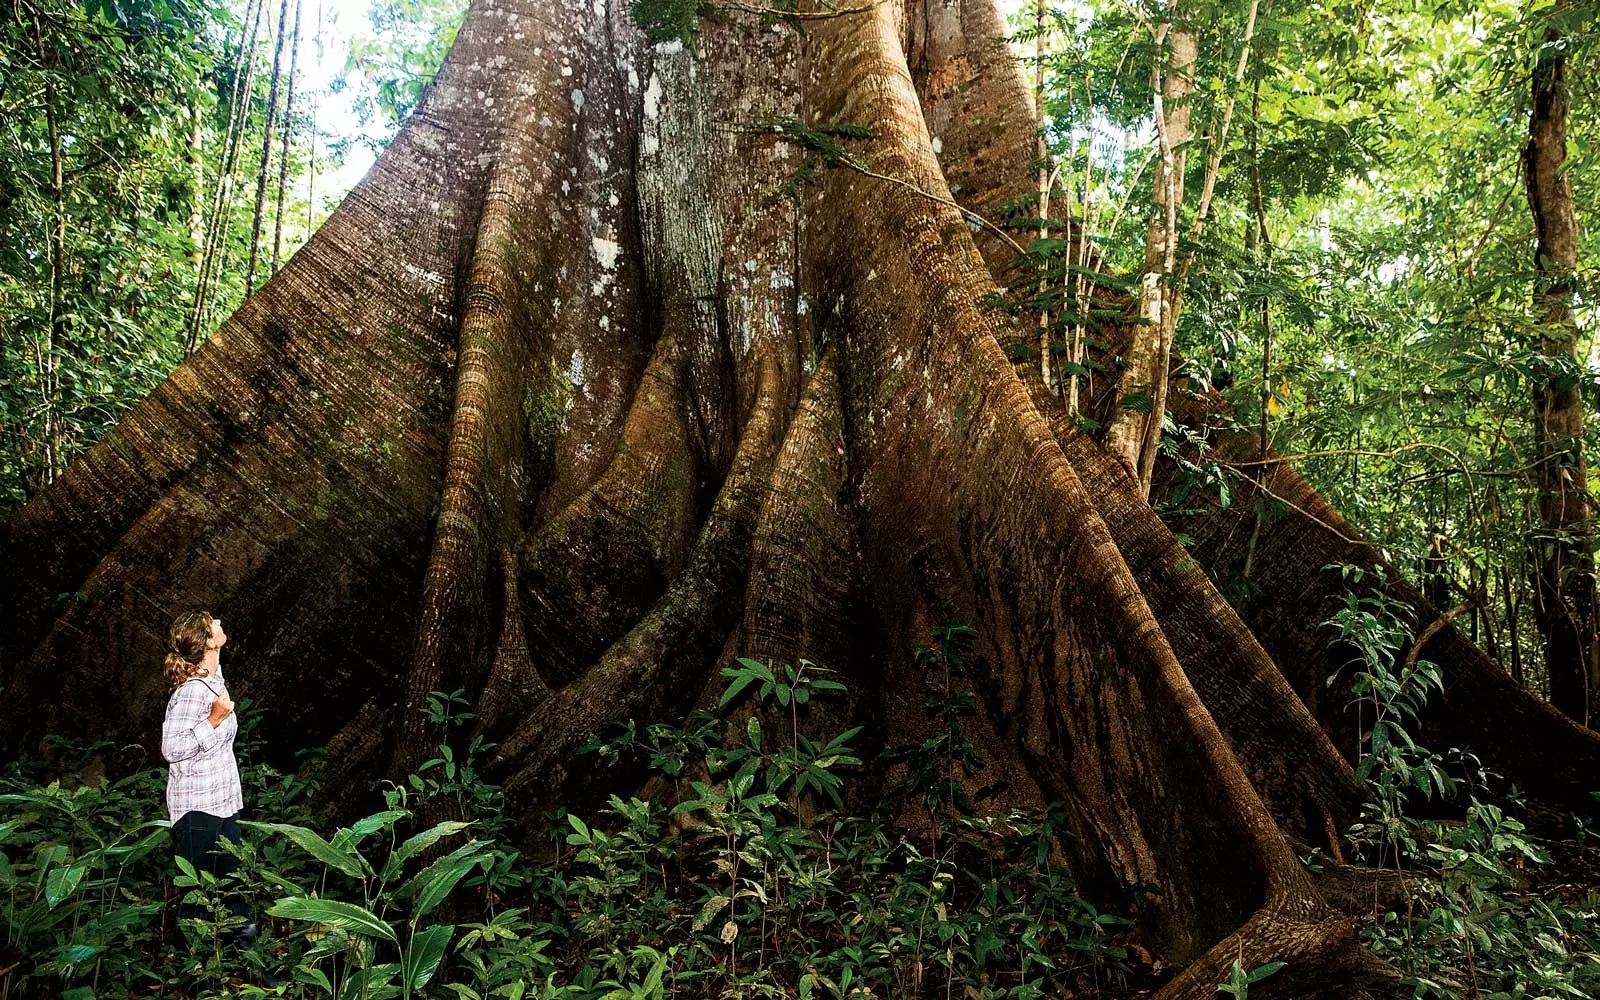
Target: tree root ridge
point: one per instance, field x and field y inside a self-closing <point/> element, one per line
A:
<point x="1321" y="957"/>
<point x="485" y="445"/>
<point x="1482" y="709"/>
<point x="1102" y="674"/>
<point x="663" y="661"/>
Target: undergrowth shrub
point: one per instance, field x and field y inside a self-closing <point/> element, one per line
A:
<point x="1478" y="923"/>
<point x="751" y="879"/>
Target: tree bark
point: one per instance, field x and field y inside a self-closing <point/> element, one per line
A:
<point x="1564" y="587"/>
<point x="586" y="388"/>
<point x="1135" y="428"/>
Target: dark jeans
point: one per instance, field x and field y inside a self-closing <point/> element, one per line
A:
<point x="196" y="835"/>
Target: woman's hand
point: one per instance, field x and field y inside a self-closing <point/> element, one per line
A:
<point x="220" y="709"/>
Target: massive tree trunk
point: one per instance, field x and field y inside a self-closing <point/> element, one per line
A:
<point x="586" y="388"/>
<point x="1564" y="586"/>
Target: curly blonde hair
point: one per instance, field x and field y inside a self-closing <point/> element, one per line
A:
<point x="186" y="646"/>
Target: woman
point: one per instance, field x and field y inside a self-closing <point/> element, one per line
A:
<point x="203" y="792"/>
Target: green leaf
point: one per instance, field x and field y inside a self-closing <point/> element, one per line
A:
<point x="1139" y="402"/>
<point x="370" y="984"/>
<point x="62" y="883"/>
<point x="72" y="954"/>
<point x="420" y="842"/>
<point x="1262" y="972"/>
<point x="708" y="912"/>
<point x="436" y="888"/>
<point x="137" y="849"/>
<point x="313" y="976"/>
<point x="344" y="916"/>
<point x="423" y="957"/>
<point x="748" y="672"/>
<point x="349" y="862"/>
<point x="368" y="825"/>
<point x="583" y="836"/>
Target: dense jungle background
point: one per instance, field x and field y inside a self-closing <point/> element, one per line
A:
<point x="634" y="595"/>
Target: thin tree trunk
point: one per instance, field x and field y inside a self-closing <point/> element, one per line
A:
<point x="1042" y="154"/>
<point x="1138" y="418"/>
<point x="1564" y="578"/>
<point x="240" y="99"/>
<point x="197" y="179"/>
<point x="288" y="137"/>
<point x="49" y="366"/>
<point x="1263" y="247"/>
<point x="1219" y="136"/>
<point x="1185" y="55"/>
<point x="266" y="148"/>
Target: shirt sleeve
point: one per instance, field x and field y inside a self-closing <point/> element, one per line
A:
<point x="187" y="730"/>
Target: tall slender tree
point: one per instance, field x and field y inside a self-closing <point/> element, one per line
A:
<point x="288" y="139"/>
<point x="1137" y="420"/>
<point x="264" y="169"/>
<point x="241" y="99"/>
<point x="1564" y="590"/>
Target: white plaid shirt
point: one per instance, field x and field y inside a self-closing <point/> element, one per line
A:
<point x="203" y="777"/>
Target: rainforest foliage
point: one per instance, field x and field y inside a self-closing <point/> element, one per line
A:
<point x="141" y="175"/>
<point x="1364" y="285"/>
<point x="743" y="871"/>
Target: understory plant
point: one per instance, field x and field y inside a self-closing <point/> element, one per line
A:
<point x="1476" y="923"/>
<point x="747" y="870"/>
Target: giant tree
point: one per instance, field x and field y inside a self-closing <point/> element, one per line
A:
<point x="631" y="355"/>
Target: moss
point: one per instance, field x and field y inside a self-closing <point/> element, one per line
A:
<point x="545" y="405"/>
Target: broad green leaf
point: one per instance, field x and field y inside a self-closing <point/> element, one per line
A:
<point x="418" y="843"/>
<point x="344" y="916"/>
<point x="347" y="861"/>
<point x="62" y="883"/>
<point x="368" y="825"/>
<point x="424" y="955"/>
<point x="582" y="836"/>
<point x="414" y="885"/>
<point x="312" y="976"/>
<point x="142" y="846"/>
<point x="709" y="911"/>
<point x="435" y="889"/>
<point x="371" y="984"/>
<point x="72" y="954"/>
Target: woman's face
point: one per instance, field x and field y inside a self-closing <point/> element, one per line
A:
<point x="218" y="638"/>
